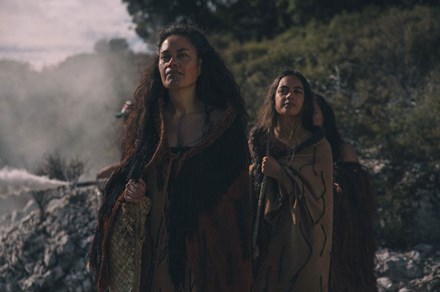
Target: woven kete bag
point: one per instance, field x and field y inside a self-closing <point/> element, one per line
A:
<point x="125" y="246"/>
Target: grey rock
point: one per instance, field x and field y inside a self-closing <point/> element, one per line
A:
<point x="413" y="270"/>
<point x="426" y="248"/>
<point x="49" y="258"/>
<point x="47" y="249"/>
<point x="386" y="284"/>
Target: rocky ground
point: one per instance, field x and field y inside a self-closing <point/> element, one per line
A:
<point x="47" y="249"/>
<point x="45" y="246"/>
<point x="414" y="270"/>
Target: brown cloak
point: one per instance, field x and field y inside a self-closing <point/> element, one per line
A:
<point x="354" y="248"/>
<point x="199" y="225"/>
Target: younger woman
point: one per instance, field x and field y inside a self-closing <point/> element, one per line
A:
<point x="293" y="176"/>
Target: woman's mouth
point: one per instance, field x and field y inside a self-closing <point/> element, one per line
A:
<point x="171" y="72"/>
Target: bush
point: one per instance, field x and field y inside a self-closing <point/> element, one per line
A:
<point x="56" y="167"/>
<point x="379" y="69"/>
<point x="409" y="201"/>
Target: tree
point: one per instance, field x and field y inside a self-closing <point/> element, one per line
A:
<point x="245" y="19"/>
<point x="111" y="46"/>
<point x="149" y="15"/>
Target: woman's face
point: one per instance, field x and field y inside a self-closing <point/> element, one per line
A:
<point x="289" y="96"/>
<point x="179" y="64"/>
<point x="318" y="118"/>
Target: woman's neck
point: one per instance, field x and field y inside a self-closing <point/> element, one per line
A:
<point x="290" y="131"/>
<point x="183" y="102"/>
<point x="184" y="119"/>
<point x="286" y="126"/>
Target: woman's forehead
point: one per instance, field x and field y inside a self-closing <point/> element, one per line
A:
<point x="290" y="81"/>
<point x="176" y="43"/>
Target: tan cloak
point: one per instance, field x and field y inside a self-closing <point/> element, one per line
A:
<point x="295" y="256"/>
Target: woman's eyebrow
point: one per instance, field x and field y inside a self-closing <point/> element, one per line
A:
<point x="178" y="50"/>
<point x="295" y="87"/>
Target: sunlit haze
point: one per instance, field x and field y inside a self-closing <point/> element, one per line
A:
<point x="45" y="32"/>
<point x="66" y="104"/>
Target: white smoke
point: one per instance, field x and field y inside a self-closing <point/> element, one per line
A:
<point x="69" y="110"/>
<point x="17" y="181"/>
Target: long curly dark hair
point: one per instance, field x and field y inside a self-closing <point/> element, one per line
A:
<point x="215" y="86"/>
<point x="331" y="131"/>
<point x="267" y="116"/>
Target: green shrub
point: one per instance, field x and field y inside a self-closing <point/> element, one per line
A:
<point x="54" y="166"/>
<point x="379" y="69"/>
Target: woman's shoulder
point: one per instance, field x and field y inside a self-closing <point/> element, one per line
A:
<point x="257" y="130"/>
<point x="257" y="140"/>
<point x="311" y="138"/>
<point x="348" y="153"/>
<point x="258" y="135"/>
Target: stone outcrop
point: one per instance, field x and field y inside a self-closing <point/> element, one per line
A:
<point x="45" y="247"/>
<point x="414" y="270"/>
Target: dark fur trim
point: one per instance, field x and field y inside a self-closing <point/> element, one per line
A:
<point x="199" y="185"/>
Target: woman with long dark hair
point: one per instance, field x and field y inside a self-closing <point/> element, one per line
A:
<point x="354" y="248"/>
<point x="293" y="179"/>
<point x="186" y="161"/>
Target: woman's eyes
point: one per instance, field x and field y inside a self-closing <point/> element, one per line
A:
<point x="283" y="90"/>
<point x="286" y="91"/>
<point x="180" y="56"/>
<point x="165" y="58"/>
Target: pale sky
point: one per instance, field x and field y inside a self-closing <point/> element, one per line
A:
<point x="45" y="32"/>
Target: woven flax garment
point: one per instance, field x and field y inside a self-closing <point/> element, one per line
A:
<point x="125" y="246"/>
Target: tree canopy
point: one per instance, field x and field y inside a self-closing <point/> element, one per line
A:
<point x="245" y="19"/>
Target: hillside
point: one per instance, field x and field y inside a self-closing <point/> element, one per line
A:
<point x="379" y="69"/>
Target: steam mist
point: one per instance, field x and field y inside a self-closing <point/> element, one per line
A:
<point x="17" y="181"/>
<point x="69" y="109"/>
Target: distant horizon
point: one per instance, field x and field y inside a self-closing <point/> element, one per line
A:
<point x="45" y="33"/>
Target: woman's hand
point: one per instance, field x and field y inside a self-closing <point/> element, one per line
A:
<point x="135" y="191"/>
<point x="271" y="167"/>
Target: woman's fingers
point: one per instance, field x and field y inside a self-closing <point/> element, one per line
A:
<point x="266" y="165"/>
<point x="270" y="167"/>
<point x="135" y="191"/>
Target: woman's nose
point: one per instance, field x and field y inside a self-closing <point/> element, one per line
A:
<point x="173" y="62"/>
